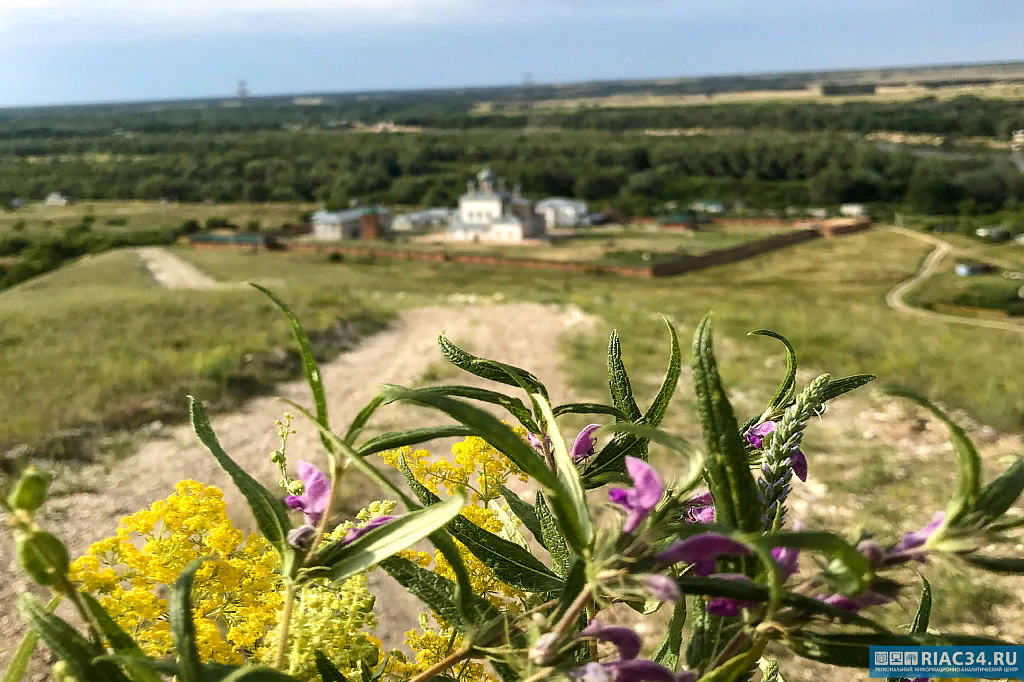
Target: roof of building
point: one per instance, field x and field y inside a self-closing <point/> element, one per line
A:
<point x="345" y="216"/>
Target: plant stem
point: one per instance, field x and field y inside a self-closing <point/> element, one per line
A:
<point x="572" y="613"/>
<point x="442" y="665"/>
<point x="71" y="592"/>
<point x="730" y="650"/>
<point x="282" y="627"/>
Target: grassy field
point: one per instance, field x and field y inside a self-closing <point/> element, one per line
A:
<point x="36" y="220"/>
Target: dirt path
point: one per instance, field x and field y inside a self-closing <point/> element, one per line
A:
<point x="171" y="272"/>
<point x="527" y="334"/>
<point x="942" y="248"/>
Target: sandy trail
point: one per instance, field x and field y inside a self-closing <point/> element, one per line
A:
<point x="526" y="334"/>
<point x="173" y="273"/>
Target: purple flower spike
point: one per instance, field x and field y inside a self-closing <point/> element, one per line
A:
<point x="701" y="509"/>
<point x="642" y="497"/>
<point x="855" y="604"/>
<point x="702" y="551"/>
<point x="755" y="436"/>
<point x="727" y="607"/>
<point x="583" y="446"/>
<point x="356" y="533"/>
<point x="313" y="502"/>
<point x="663" y="588"/>
<point x="625" y="640"/>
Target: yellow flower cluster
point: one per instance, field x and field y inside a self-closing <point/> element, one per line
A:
<point x="238" y="590"/>
<point x="480" y="468"/>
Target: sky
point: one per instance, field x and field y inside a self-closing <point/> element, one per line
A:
<point x="67" y="51"/>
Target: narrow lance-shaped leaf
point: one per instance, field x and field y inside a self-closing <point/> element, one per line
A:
<point x="588" y="408"/>
<point x="183" y="629"/>
<point x="309" y="366"/>
<point x="356" y="427"/>
<point x="380" y="543"/>
<point x="855" y="573"/>
<point x="695" y="465"/>
<point x="121" y="642"/>
<point x="656" y="412"/>
<point x="399" y="439"/>
<point x="437" y="592"/>
<point x="852" y="650"/>
<point x="669" y="647"/>
<point x="618" y="380"/>
<point x="328" y="672"/>
<point x="554" y="541"/>
<point x="838" y="387"/>
<point x="997" y="564"/>
<point x="270" y="513"/>
<point x="525" y="512"/>
<point x="19" y="662"/>
<point x="575" y="583"/>
<point x="700" y="647"/>
<point x="969" y="483"/>
<point x="999" y="495"/>
<point x="787" y="389"/>
<point x="514" y="406"/>
<point x="490" y="369"/>
<point x="569" y="477"/>
<point x="736" y="500"/>
<point x="258" y="673"/>
<point x="924" y="610"/>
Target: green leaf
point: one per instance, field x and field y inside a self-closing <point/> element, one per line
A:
<point x="618" y="381"/>
<point x="787" y="389"/>
<point x="258" y="673"/>
<point x="701" y="646"/>
<point x="212" y="672"/>
<point x="66" y="643"/>
<point x="399" y="439"/>
<point x="656" y="412"/>
<point x="19" y="662"/>
<point x="609" y="464"/>
<point x="728" y="471"/>
<point x="554" y="541"/>
<point x="588" y="408"/>
<point x="999" y="495"/>
<point x="852" y="650"/>
<point x="391" y="538"/>
<point x="120" y="641"/>
<point x="575" y="583"/>
<point x="997" y="564"/>
<point x="328" y="672"/>
<point x="514" y="406"/>
<point x="850" y="572"/>
<point x="490" y="369"/>
<point x="183" y="629"/>
<point x="924" y="610"/>
<point x="525" y="512"/>
<point x="270" y="513"/>
<point x="695" y="468"/>
<point x="438" y="593"/>
<point x="838" y="387"/>
<point x="309" y="366"/>
<point x="669" y="648"/>
<point x="569" y="477"/>
<point x="356" y="427"/>
<point x="969" y="484"/>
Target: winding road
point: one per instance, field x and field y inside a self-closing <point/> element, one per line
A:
<point x="895" y="299"/>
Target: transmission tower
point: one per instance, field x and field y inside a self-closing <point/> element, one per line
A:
<point x="242" y="92"/>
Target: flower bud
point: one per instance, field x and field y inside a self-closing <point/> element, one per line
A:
<point x="29" y="492"/>
<point x="296" y="488"/>
<point x="42" y="556"/>
<point x="544" y="648"/>
<point x="277" y="457"/>
<point x="62" y="672"/>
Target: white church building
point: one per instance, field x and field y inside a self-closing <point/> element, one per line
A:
<point x="489" y="212"/>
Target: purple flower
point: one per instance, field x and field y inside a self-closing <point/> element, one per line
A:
<point x="788" y="559"/>
<point x="755" y="435"/>
<point x="356" y="533"/>
<point x="592" y="672"/>
<point x="663" y="588"/>
<point x="700" y="509"/>
<point x="583" y="446"/>
<point x="625" y="640"/>
<point x="301" y="536"/>
<point x="702" y="551"/>
<point x="642" y="497"/>
<point x="799" y="463"/>
<point x="541" y="446"/>
<point x="646" y="671"/>
<point x="855" y="604"/>
<point x="910" y="547"/>
<point x="727" y="607"/>
<point x="544" y="648"/>
<point x="313" y="502"/>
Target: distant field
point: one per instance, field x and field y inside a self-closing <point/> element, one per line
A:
<point x="34" y="220"/>
<point x="883" y="93"/>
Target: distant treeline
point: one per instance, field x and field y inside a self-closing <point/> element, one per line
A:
<point x="962" y="116"/>
<point x="634" y="174"/>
